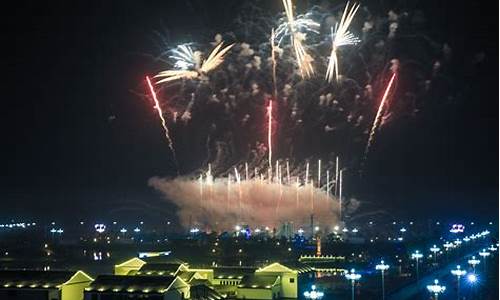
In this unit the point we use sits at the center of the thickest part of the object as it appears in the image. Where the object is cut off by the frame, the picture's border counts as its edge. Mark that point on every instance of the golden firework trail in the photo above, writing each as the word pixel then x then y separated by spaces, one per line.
pixel 304 60
pixel 288 172
pixel 215 58
pixel 341 37
pixel 163 121
pixel 376 122
pixel 269 133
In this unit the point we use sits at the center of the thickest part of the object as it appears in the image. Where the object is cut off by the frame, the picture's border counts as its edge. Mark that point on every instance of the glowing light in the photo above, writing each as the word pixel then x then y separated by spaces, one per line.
pixel 341 37
pixel 484 253
pixel 381 266
pixel 472 278
pixel 458 272
pixel 473 262
pixel 417 255
pixel 313 293
pixel 352 275
pixel 457 228
pixel 100 228
pixel 435 288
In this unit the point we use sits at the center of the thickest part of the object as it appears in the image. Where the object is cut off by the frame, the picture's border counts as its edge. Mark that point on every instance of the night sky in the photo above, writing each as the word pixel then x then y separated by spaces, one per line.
pixel 76 139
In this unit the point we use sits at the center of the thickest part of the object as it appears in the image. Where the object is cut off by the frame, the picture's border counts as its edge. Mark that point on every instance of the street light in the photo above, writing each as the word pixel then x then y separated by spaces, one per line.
pixel 492 248
pixel 473 262
pixel 313 294
pixel 436 289
pixel 459 273
pixel 484 254
pixel 472 278
pixel 416 256
pixel 382 267
pixel 435 250
pixel 352 276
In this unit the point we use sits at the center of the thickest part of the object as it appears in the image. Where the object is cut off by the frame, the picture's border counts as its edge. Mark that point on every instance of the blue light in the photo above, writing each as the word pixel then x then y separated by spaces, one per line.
pixel 472 278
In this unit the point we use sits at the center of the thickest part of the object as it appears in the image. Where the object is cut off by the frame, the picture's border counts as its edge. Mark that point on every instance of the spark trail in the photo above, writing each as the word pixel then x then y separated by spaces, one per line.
pixel 163 121
pixel 269 133
pixel 376 122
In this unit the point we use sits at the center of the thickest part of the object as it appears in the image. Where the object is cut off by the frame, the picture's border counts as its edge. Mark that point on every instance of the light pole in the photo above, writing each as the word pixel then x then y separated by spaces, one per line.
pixel 484 254
pixel 352 276
pixel 416 256
pixel 434 249
pixel 447 246
pixel 313 294
pixel 436 289
pixel 473 262
pixel 459 273
pixel 382 267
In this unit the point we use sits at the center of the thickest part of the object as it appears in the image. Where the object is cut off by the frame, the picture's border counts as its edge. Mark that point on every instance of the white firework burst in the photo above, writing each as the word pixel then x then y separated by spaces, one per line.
pixel 341 36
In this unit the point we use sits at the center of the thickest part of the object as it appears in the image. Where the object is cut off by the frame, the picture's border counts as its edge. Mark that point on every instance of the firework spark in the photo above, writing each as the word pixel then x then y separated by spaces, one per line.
pixel 341 36
pixel 163 121
pixel 270 132
pixel 304 60
pixel 215 58
pixel 185 58
pixel 376 122
pixel 301 23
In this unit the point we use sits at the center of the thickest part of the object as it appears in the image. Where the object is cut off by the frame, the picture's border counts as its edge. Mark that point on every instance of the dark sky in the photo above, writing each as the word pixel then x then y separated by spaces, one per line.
pixel 69 67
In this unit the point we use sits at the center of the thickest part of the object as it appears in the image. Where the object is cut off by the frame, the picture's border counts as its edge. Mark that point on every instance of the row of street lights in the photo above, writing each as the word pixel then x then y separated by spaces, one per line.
pixel 435 288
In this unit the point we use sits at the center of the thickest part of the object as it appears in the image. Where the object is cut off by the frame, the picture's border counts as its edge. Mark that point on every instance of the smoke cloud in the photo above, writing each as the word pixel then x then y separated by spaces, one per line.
pixel 222 204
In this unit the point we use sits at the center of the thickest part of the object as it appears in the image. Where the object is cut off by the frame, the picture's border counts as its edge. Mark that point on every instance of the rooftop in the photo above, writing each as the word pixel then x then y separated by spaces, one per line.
pixel 259 281
pixel 33 278
pixel 131 284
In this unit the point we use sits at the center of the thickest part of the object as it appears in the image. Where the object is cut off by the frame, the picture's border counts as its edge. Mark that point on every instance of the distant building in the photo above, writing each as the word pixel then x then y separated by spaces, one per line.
pixel 117 287
pixel 287 278
pixel 259 287
pixel 43 285
pixel 274 281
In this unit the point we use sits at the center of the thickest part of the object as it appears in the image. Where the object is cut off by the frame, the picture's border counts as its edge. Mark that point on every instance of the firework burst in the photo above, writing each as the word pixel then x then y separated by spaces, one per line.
pixel 215 58
pixel 341 36
pixel 304 60
pixel 185 58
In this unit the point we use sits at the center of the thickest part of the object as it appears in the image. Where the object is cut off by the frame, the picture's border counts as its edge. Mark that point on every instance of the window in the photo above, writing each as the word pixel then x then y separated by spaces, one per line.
pixel 292 280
